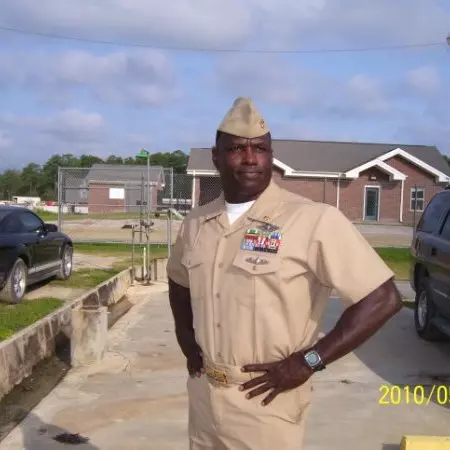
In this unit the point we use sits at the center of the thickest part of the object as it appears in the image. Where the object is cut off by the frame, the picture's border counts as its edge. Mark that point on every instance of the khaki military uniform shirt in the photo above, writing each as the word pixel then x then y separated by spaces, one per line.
pixel 253 306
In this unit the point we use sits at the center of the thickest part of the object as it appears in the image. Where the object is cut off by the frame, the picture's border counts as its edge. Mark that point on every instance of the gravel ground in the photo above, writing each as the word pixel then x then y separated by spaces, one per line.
pixel 111 230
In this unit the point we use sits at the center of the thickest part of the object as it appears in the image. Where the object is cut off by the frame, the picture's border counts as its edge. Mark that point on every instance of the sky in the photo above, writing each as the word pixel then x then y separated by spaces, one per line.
pixel 162 75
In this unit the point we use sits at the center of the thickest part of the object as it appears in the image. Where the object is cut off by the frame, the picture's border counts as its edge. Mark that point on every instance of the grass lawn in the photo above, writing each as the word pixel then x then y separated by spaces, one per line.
pixel 16 317
pixel 88 278
pixel 398 259
pixel 156 251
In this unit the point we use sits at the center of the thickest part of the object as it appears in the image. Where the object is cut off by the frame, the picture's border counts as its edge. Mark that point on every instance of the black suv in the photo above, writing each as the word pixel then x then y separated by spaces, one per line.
pixel 430 269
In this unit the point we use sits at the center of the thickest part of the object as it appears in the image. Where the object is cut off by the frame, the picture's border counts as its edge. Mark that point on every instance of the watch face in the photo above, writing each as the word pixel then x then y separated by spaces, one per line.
pixel 313 358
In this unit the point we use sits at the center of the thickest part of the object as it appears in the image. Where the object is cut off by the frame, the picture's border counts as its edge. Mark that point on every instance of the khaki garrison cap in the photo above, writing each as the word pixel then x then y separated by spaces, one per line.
pixel 244 120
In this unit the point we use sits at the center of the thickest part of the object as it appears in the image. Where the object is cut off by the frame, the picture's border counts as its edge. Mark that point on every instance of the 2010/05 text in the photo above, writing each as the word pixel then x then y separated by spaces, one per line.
pixel 414 395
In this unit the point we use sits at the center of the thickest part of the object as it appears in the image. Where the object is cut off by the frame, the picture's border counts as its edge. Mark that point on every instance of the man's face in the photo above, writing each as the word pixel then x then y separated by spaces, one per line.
pixel 245 166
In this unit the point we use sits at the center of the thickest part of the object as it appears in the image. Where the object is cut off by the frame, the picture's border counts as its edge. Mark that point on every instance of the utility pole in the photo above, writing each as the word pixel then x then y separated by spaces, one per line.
pixel 145 154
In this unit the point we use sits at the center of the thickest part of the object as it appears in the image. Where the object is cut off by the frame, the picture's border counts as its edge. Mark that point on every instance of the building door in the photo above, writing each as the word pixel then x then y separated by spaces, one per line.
pixel 372 203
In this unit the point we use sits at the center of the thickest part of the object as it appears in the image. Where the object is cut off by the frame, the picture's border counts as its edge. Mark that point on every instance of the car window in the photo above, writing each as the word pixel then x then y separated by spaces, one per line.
pixel 31 222
pixel 11 224
pixel 445 232
pixel 431 217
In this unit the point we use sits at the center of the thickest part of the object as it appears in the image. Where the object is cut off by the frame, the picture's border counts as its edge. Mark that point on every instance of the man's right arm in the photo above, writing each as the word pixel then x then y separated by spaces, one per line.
pixel 180 303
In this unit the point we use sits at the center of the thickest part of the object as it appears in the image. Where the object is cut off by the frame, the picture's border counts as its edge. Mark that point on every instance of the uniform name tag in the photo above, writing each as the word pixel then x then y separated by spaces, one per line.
pixel 261 240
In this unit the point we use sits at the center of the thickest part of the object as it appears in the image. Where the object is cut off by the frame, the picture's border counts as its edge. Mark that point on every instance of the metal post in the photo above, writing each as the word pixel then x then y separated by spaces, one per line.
pixel 170 217
pixel 59 196
pixel 140 210
pixel 149 204
pixel 140 223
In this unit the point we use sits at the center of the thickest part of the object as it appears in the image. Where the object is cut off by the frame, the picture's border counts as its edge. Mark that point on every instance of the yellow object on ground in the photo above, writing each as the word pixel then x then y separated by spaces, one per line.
pixel 425 443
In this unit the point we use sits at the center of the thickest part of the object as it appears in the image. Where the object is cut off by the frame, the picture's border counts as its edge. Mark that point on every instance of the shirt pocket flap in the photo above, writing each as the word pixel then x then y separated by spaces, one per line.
pixel 257 264
pixel 191 259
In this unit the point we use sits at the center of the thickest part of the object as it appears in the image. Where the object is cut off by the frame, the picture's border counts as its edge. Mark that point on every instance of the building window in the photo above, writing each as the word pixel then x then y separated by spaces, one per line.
pixel 116 193
pixel 417 199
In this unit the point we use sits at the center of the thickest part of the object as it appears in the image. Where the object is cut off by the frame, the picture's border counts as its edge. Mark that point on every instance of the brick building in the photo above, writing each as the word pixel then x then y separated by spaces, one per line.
pixel 122 188
pixel 366 181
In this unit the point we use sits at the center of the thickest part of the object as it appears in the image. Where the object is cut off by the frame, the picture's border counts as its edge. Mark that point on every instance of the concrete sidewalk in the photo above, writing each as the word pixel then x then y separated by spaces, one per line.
pixel 136 397
pixel 406 290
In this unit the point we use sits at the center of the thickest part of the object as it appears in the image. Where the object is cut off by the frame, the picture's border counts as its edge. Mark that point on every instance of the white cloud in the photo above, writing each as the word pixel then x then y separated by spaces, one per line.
pixel 72 124
pixel 278 82
pixel 5 140
pixel 180 22
pixel 68 126
pixel 368 93
pixel 267 78
pixel 425 79
pixel 144 77
pixel 212 23
pixel 36 138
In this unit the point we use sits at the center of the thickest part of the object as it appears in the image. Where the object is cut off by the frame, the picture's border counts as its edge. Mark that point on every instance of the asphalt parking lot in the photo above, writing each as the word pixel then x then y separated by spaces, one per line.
pixel 386 235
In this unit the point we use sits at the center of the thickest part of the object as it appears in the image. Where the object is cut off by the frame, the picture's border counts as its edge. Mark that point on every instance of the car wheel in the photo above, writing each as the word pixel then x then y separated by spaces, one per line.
pixel 424 312
pixel 16 284
pixel 65 270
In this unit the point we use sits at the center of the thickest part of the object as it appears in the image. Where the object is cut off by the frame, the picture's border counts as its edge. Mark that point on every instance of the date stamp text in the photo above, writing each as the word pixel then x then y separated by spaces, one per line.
pixel 414 395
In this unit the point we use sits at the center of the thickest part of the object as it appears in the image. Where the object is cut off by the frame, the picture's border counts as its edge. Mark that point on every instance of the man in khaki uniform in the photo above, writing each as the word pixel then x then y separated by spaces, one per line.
pixel 249 279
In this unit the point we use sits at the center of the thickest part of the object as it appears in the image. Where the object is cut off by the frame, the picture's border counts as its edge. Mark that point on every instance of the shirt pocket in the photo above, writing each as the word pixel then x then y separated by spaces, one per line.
pixel 257 264
pixel 256 277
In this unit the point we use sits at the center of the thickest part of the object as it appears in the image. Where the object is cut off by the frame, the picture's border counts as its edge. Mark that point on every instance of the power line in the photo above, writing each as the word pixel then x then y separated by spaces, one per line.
pixel 219 50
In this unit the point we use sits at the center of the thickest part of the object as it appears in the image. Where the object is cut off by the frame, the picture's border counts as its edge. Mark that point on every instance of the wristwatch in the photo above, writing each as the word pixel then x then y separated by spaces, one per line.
pixel 314 360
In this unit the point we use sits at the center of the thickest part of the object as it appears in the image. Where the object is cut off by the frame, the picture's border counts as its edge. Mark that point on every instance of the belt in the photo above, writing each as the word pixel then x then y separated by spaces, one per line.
pixel 224 375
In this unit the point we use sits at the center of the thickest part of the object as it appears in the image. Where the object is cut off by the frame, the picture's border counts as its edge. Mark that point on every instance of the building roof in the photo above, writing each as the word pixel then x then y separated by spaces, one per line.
pixel 123 173
pixel 328 156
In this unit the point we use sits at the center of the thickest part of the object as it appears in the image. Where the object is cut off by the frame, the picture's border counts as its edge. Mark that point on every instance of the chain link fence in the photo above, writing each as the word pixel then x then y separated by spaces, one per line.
pixel 107 203
pixel 121 204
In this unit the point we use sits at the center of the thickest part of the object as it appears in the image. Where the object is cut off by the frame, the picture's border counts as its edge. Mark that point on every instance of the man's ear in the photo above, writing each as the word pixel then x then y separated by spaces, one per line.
pixel 214 157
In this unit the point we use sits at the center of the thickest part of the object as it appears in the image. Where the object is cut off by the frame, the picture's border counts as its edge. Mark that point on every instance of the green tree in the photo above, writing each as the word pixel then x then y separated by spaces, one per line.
pixel 10 184
pixel 30 180
pixel 89 160
pixel 177 159
pixel 113 159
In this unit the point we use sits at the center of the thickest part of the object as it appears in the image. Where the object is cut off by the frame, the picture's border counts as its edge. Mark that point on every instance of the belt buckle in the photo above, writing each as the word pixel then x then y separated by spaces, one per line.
pixel 216 376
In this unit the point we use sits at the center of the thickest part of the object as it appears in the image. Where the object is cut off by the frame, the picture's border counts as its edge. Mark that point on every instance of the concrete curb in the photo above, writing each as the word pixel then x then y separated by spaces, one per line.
pixel 425 443
pixel 24 350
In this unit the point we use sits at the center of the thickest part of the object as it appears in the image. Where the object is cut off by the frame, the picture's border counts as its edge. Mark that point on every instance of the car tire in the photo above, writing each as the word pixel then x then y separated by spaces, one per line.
pixel 424 311
pixel 16 283
pixel 66 267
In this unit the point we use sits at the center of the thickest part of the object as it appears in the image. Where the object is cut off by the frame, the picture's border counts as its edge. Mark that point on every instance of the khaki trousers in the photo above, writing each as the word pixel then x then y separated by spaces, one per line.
pixel 221 418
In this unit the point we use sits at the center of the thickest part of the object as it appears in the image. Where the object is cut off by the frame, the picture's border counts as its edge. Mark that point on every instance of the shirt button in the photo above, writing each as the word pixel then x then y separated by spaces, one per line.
pixel 218 325
pixel 218 295
pixel 219 355
pixel 220 265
